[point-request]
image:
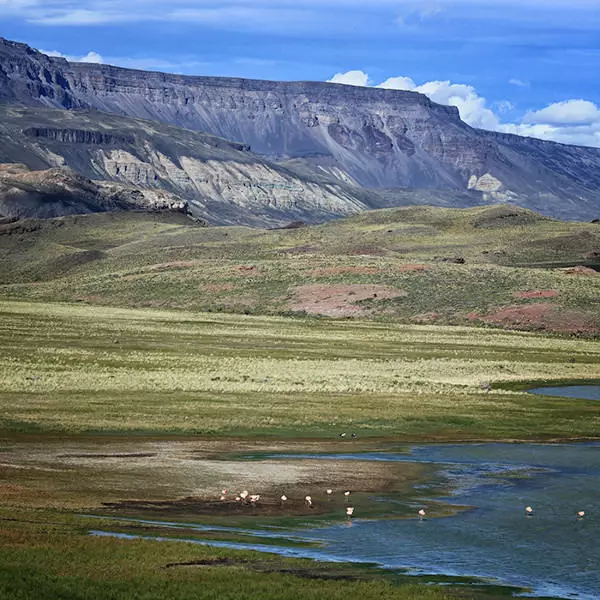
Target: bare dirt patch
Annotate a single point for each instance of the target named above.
(537, 294)
(340, 300)
(412, 268)
(541, 317)
(170, 477)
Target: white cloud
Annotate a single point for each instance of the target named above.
(356, 78)
(569, 122)
(471, 106)
(570, 112)
(518, 82)
(90, 57)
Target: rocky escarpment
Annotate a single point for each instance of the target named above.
(59, 191)
(374, 138)
(219, 181)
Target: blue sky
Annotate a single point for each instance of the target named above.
(525, 66)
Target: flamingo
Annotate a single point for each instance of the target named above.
(349, 511)
(329, 492)
(347, 495)
(244, 495)
(529, 511)
(581, 514)
(222, 498)
(283, 499)
(308, 500)
(422, 514)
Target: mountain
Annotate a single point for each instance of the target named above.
(218, 181)
(374, 138)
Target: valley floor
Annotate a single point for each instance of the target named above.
(146, 412)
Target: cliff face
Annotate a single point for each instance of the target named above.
(374, 138)
(219, 181)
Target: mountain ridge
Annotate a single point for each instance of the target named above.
(363, 137)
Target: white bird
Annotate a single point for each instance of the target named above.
(254, 498)
(244, 494)
(347, 494)
(308, 500)
(422, 514)
(581, 514)
(528, 511)
(349, 510)
(222, 498)
(283, 498)
(223, 492)
(329, 492)
(237, 498)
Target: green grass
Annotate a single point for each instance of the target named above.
(80, 369)
(164, 261)
(48, 555)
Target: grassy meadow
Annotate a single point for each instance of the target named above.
(83, 369)
(431, 265)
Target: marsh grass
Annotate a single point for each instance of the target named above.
(76, 369)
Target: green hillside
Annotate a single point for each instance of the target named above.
(496, 265)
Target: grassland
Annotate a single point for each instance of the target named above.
(141, 356)
(429, 265)
(76, 369)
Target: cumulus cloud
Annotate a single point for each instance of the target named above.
(471, 106)
(569, 122)
(90, 57)
(570, 112)
(356, 78)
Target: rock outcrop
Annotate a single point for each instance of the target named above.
(374, 138)
(59, 191)
(218, 181)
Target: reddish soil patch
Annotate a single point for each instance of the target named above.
(343, 270)
(541, 317)
(581, 271)
(537, 294)
(409, 268)
(340, 300)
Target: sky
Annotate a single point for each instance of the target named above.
(520, 66)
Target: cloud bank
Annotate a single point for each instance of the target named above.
(572, 121)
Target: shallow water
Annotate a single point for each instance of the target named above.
(552, 552)
(583, 392)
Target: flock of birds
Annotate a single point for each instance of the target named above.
(244, 497)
